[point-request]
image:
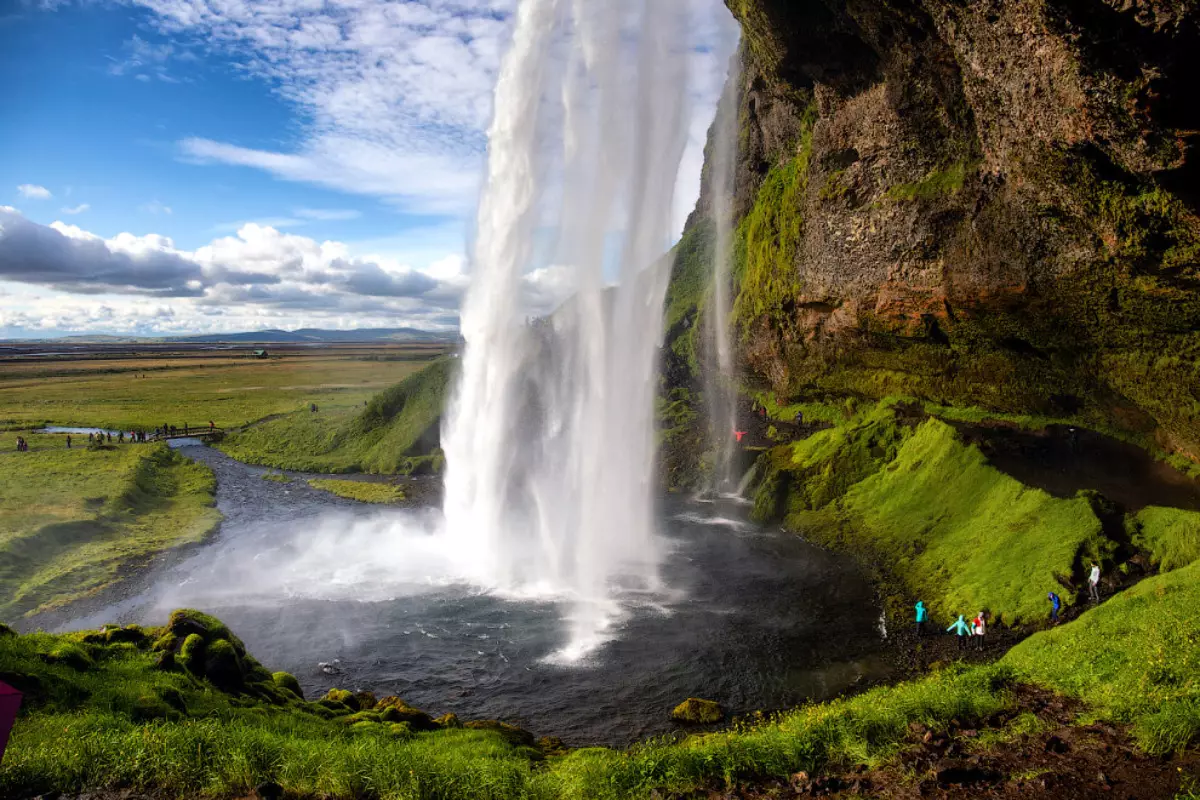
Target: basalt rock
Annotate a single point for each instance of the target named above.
(990, 203)
(695, 711)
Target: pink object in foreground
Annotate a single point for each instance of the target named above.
(10, 701)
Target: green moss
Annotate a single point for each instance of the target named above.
(222, 665)
(286, 680)
(191, 654)
(965, 534)
(938, 183)
(1171, 535)
(343, 697)
(276, 477)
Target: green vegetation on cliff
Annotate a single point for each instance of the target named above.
(395, 432)
(74, 522)
(362, 491)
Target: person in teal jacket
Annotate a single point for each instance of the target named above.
(962, 630)
(922, 615)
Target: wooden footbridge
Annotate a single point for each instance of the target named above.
(202, 432)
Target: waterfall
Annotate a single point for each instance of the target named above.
(549, 438)
(721, 385)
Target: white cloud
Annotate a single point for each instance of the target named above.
(79, 209)
(34, 192)
(398, 94)
(330, 214)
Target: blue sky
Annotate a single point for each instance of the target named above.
(289, 162)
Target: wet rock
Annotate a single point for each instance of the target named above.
(401, 711)
(552, 746)
(695, 711)
(365, 699)
(330, 667)
(342, 696)
(448, 721)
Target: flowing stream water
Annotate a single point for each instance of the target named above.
(755, 619)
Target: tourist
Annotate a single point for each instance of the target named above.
(979, 625)
(68, 441)
(922, 615)
(739, 435)
(110, 437)
(211, 426)
(799, 417)
(1094, 583)
(1055, 605)
(91, 437)
(185, 429)
(962, 630)
(120, 437)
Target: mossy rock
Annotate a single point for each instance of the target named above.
(519, 737)
(334, 706)
(168, 642)
(6, 631)
(151, 707)
(403, 712)
(67, 654)
(366, 726)
(174, 698)
(695, 711)
(165, 661)
(286, 680)
(133, 634)
(223, 667)
(187, 621)
(191, 654)
(365, 699)
(401, 730)
(344, 697)
(364, 716)
(448, 721)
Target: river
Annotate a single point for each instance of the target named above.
(755, 619)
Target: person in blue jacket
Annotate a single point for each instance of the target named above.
(1055, 605)
(922, 615)
(962, 630)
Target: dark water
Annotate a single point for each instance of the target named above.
(757, 620)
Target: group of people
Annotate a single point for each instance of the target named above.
(974, 632)
(968, 633)
(22, 445)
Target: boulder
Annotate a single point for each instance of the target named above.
(223, 667)
(286, 680)
(130, 633)
(6, 631)
(191, 654)
(448, 721)
(403, 712)
(344, 697)
(695, 711)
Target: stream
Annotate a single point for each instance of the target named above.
(755, 619)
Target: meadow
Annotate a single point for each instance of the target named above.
(229, 388)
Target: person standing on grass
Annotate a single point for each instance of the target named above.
(1055, 605)
(1094, 583)
(962, 630)
(922, 615)
(120, 437)
(68, 441)
(91, 437)
(979, 625)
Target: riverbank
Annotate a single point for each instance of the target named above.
(75, 522)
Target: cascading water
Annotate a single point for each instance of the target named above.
(550, 437)
(720, 379)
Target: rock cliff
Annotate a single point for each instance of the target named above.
(989, 203)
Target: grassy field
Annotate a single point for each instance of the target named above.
(74, 521)
(148, 391)
(362, 491)
(395, 432)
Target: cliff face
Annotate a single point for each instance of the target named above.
(988, 203)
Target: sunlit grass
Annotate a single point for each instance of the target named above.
(362, 491)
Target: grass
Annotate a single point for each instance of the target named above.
(362, 491)
(936, 184)
(1170, 535)
(1135, 658)
(230, 391)
(73, 522)
(395, 432)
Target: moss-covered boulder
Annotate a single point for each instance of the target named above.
(344, 697)
(151, 707)
(288, 682)
(6, 631)
(185, 622)
(403, 712)
(191, 654)
(223, 667)
(365, 699)
(552, 746)
(448, 721)
(364, 716)
(133, 634)
(69, 654)
(695, 711)
(400, 730)
(518, 737)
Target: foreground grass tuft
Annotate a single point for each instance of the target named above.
(362, 491)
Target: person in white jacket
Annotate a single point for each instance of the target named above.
(979, 630)
(1094, 583)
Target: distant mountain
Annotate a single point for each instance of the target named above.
(271, 336)
(319, 336)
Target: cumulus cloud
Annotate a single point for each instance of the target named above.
(399, 94)
(79, 209)
(34, 192)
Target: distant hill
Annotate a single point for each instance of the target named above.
(270, 336)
